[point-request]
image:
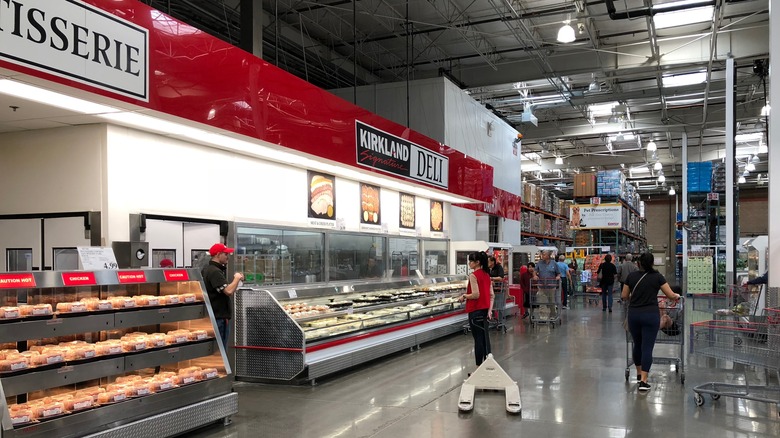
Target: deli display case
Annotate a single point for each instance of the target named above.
(299, 335)
(110, 353)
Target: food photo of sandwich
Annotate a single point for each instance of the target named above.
(322, 196)
(369, 204)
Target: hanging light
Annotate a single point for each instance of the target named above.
(661, 178)
(558, 161)
(745, 173)
(657, 166)
(652, 146)
(754, 159)
(762, 147)
(672, 192)
(765, 110)
(741, 180)
(566, 33)
(750, 167)
(594, 86)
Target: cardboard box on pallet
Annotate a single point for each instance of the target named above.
(584, 185)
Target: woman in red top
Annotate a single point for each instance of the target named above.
(479, 303)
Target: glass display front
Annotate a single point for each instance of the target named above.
(435, 256)
(355, 256)
(268, 256)
(404, 256)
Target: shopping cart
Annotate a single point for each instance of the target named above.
(545, 301)
(499, 306)
(671, 335)
(743, 341)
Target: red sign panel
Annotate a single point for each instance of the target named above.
(176, 275)
(125, 277)
(13, 281)
(79, 278)
(505, 204)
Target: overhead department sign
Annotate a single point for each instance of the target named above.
(586, 216)
(71, 39)
(380, 150)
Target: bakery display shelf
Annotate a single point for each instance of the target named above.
(271, 346)
(24, 319)
(166, 406)
(89, 322)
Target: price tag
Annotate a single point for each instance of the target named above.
(595, 201)
(97, 258)
(713, 196)
(292, 293)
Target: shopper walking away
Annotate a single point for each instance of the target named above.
(606, 275)
(547, 269)
(627, 267)
(218, 288)
(479, 303)
(527, 273)
(565, 279)
(644, 318)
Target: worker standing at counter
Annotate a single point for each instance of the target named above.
(218, 288)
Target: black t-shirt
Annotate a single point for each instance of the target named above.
(644, 298)
(214, 275)
(608, 272)
(497, 271)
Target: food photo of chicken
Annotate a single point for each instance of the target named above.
(369, 204)
(322, 197)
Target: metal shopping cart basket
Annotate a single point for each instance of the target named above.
(545, 301)
(672, 335)
(742, 341)
(499, 306)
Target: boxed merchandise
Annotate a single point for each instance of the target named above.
(585, 185)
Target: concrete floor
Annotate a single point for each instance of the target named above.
(571, 381)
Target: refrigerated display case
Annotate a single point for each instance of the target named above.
(130, 353)
(299, 335)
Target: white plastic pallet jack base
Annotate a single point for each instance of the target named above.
(490, 375)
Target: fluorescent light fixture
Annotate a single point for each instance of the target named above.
(622, 137)
(661, 178)
(741, 180)
(753, 136)
(530, 167)
(750, 167)
(602, 109)
(52, 98)
(658, 166)
(664, 20)
(684, 79)
(672, 192)
(566, 33)
(558, 161)
(652, 147)
(642, 169)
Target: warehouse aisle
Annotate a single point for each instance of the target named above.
(571, 381)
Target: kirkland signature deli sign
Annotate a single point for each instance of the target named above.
(73, 40)
(379, 150)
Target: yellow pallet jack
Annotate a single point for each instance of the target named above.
(491, 376)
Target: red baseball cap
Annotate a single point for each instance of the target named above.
(166, 263)
(218, 248)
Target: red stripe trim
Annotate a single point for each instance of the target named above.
(338, 342)
(254, 347)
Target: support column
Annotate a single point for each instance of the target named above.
(731, 237)
(684, 209)
(773, 297)
(252, 27)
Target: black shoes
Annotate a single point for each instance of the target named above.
(610, 310)
(644, 386)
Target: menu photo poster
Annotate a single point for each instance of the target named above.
(370, 212)
(407, 219)
(437, 216)
(321, 196)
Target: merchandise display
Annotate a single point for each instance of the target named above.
(326, 330)
(700, 272)
(544, 218)
(105, 344)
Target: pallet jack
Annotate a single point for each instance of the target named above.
(490, 376)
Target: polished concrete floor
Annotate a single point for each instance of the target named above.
(571, 380)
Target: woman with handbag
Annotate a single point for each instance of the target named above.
(643, 318)
(606, 276)
(479, 303)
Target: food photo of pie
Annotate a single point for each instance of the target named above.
(322, 198)
(407, 211)
(437, 216)
(369, 204)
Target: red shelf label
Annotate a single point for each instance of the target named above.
(176, 275)
(13, 281)
(125, 277)
(79, 278)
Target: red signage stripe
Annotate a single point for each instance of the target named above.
(13, 281)
(176, 275)
(126, 277)
(78, 278)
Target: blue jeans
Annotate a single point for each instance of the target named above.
(223, 325)
(644, 329)
(606, 296)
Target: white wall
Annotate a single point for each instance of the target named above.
(52, 170)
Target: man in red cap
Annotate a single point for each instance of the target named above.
(166, 263)
(218, 288)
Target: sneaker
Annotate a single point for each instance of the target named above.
(638, 379)
(610, 310)
(566, 307)
(604, 310)
(644, 386)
